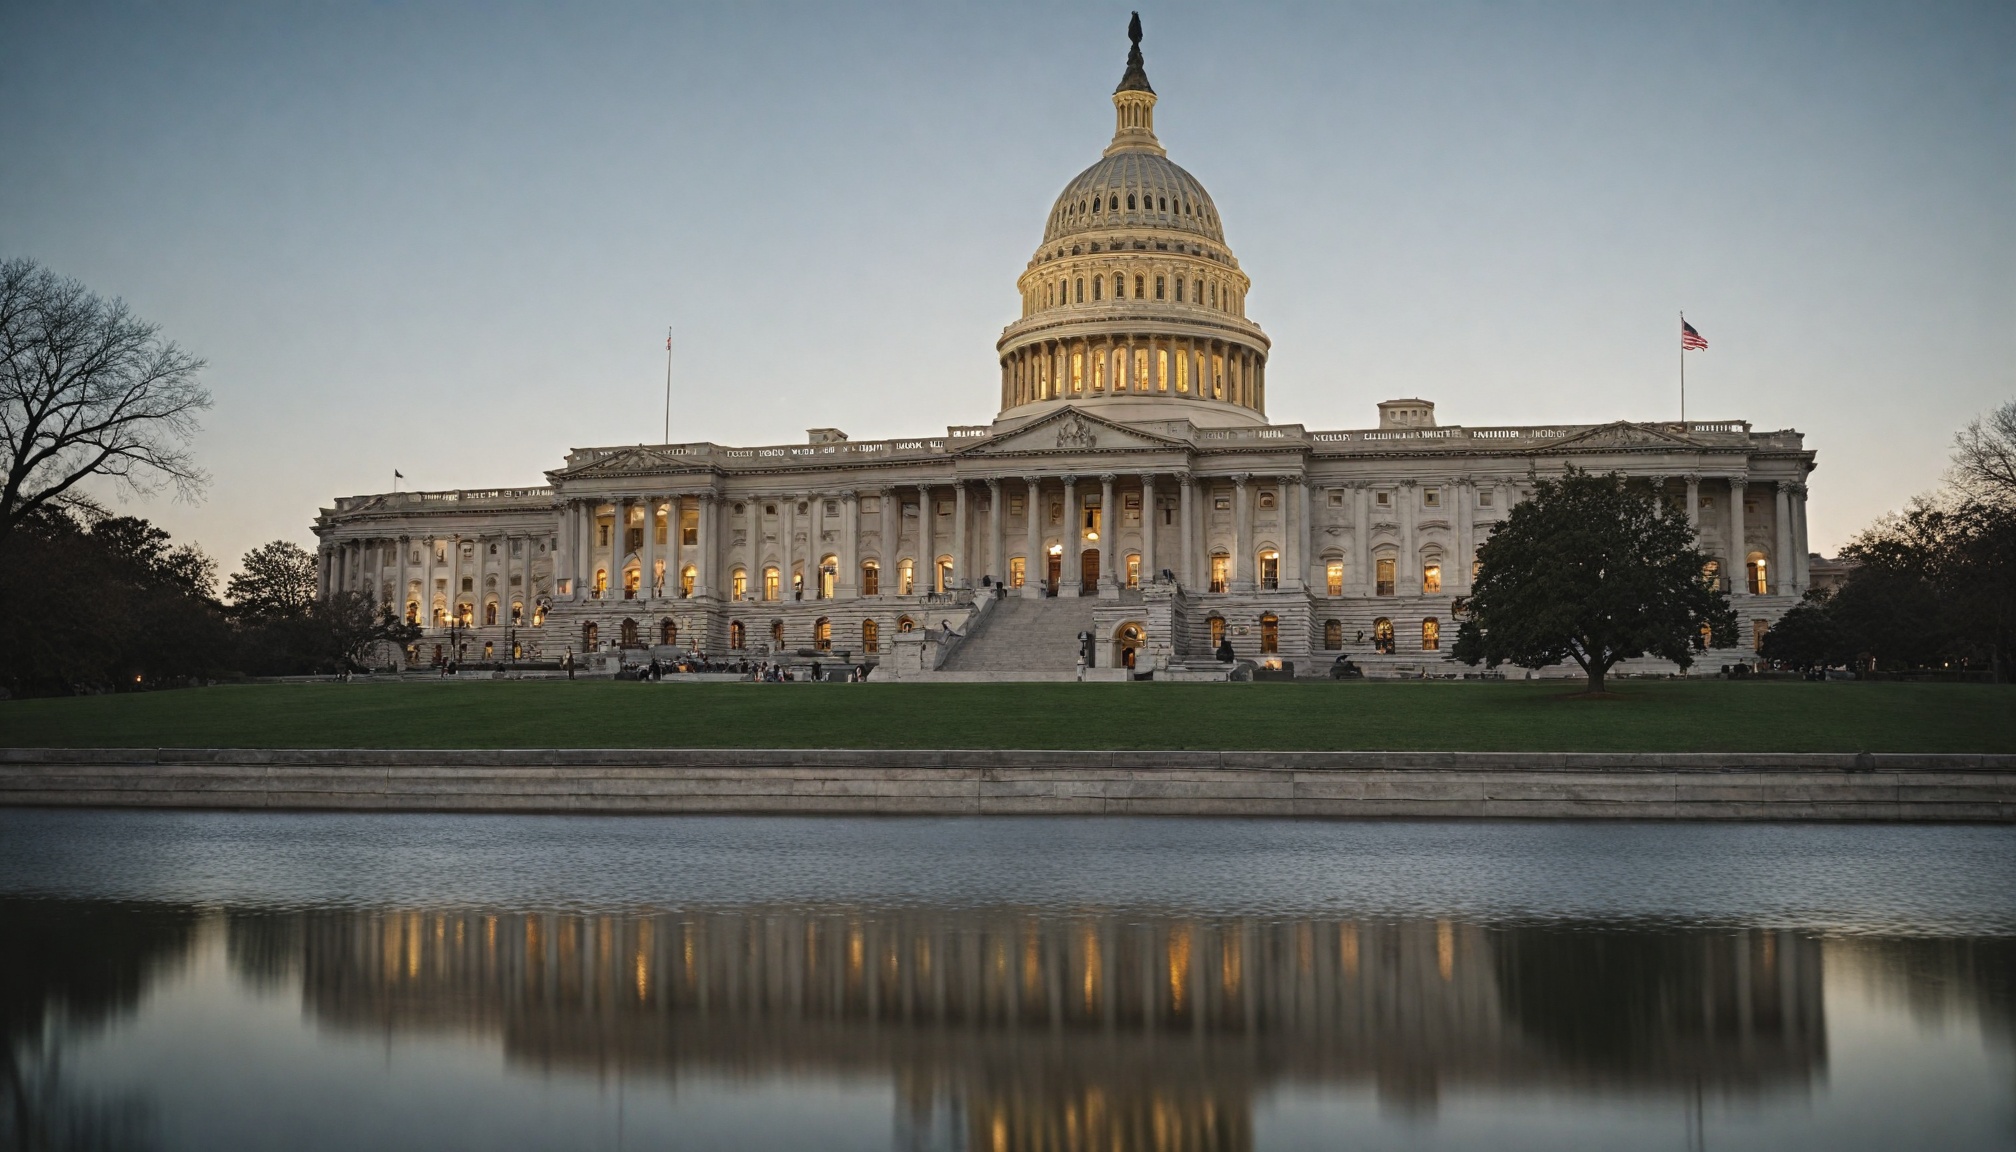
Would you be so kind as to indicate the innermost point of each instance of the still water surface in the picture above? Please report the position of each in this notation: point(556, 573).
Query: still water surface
point(224, 981)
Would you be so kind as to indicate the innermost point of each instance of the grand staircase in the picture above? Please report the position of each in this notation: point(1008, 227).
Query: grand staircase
point(1023, 639)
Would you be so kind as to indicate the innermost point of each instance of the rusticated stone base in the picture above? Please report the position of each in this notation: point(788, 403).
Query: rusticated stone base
point(1651, 786)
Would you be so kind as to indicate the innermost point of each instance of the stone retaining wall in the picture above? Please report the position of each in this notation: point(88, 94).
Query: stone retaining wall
point(1659, 786)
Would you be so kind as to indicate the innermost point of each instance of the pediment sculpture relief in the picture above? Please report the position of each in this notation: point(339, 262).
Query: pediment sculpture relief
point(1074, 432)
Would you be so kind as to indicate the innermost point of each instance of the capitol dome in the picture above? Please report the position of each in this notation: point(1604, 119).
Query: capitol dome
point(1133, 304)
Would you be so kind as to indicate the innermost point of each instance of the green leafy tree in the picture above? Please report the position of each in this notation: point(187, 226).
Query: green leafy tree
point(1807, 636)
point(1590, 570)
point(275, 581)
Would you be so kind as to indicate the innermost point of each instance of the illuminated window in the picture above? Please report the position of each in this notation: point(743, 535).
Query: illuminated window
point(906, 624)
point(1756, 579)
point(772, 583)
point(1270, 634)
point(1270, 569)
point(517, 612)
point(735, 634)
point(1018, 569)
point(1217, 631)
point(1431, 578)
point(1382, 636)
point(490, 612)
point(668, 633)
point(829, 576)
point(738, 583)
point(943, 582)
point(1431, 634)
point(777, 634)
point(1221, 569)
point(906, 578)
point(688, 576)
point(1333, 577)
point(871, 579)
point(1133, 570)
point(871, 632)
point(822, 634)
point(1383, 577)
point(689, 525)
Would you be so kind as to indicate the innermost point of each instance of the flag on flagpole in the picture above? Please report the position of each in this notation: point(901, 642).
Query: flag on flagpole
point(1690, 339)
point(398, 475)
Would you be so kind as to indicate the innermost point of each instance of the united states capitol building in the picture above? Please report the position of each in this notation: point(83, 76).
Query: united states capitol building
point(1130, 485)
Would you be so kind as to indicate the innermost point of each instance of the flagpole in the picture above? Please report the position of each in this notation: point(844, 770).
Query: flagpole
point(1683, 373)
point(668, 385)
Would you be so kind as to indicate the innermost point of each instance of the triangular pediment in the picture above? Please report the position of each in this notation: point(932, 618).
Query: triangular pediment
point(628, 462)
point(1623, 434)
point(1070, 430)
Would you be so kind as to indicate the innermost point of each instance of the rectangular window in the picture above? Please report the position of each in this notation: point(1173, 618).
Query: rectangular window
point(1221, 503)
point(1221, 567)
point(771, 587)
point(1333, 577)
point(1161, 370)
point(1140, 287)
point(1336, 497)
point(1179, 290)
point(871, 580)
point(1183, 374)
point(1431, 497)
point(1079, 290)
point(738, 584)
point(1383, 499)
point(1015, 505)
point(1133, 570)
point(1384, 585)
point(1017, 570)
point(689, 526)
point(906, 579)
point(1483, 497)
point(1158, 288)
point(1140, 370)
point(634, 540)
point(1431, 578)
point(1077, 372)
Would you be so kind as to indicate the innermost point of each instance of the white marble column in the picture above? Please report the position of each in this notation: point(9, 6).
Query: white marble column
point(1466, 536)
point(1802, 547)
point(815, 543)
point(1781, 569)
point(1109, 535)
point(959, 530)
point(1070, 578)
point(705, 547)
point(1739, 489)
point(997, 528)
point(1240, 579)
point(787, 545)
point(927, 552)
point(1304, 534)
point(848, 585)
point(454, 577)
point(1361, 542)
point(401, 543)
point(892, 536)
point(1407, 574)
point(1149, 570)
point(1694, 502)
point(647, 556)
point(1186, 512)
point(1033, 560)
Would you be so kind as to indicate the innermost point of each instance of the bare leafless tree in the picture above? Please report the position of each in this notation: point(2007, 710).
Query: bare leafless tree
point(87, 391)
point(1984, 457)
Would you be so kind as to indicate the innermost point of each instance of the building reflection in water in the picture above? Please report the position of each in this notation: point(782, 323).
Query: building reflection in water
point(1016, 1030)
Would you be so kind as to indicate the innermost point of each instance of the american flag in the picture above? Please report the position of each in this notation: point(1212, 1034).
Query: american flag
point(1689, 338)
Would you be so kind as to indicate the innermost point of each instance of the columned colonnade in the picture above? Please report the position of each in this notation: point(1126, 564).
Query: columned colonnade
point(1134, 365)
point(377, 565)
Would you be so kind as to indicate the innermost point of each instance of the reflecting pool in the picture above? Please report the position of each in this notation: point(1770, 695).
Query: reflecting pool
point(231, 980)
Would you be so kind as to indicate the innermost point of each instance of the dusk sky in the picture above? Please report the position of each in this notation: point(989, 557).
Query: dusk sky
point(448, 239)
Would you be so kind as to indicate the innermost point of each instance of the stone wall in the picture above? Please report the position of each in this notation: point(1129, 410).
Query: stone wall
point(1660, 786)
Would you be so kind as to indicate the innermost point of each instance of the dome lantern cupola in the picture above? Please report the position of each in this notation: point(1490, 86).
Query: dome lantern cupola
point(1134, 103)
point(1134, 305)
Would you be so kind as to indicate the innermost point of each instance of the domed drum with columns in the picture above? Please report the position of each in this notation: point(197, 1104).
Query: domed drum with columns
point(1130, 487)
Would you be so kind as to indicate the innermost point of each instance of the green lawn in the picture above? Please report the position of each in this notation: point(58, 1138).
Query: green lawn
point(1650, 716)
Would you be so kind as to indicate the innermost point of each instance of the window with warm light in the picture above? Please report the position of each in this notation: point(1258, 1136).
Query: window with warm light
point(1221, 569)
point(1431, 634)
point(1217, 631)
point(735, 635)
point(871, 637)
point(871, 579)
point(1431, 577)
point(738, 583)
point(1270, 634)
point(906, 578)
point(1018, 571)
point(1333, 577)
point(1382, 581)
point(822, 634)
point(689, 576)
point(773, 583)
point(1133, 570)
point(1270, 569)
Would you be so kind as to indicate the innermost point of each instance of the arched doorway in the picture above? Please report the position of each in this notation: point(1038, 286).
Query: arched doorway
point(589, 634)
point(1127, 643)
point(822, 634)
point(668, 633)
point(1088, 571)
point(1270, 633)
point(1382, 636)
point(1055, 572)
point(627, 634)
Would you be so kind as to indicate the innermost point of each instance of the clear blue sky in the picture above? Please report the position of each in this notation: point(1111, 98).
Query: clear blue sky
point(448, 238)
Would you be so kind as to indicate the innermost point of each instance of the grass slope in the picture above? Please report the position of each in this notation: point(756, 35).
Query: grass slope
point(1511, 716)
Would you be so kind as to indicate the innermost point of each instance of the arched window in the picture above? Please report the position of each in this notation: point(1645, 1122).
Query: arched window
point(1333, 635)
point(942, 582)
point(1162, 203)
point(771, 583)
point(871, 579)
point(1333, 577)
point(735, 634)
point(871, 637)
point(1431, 634)
point(1129, 639)
point(777, 635)
point(668, 633)
point(1133, 570)
point(1711, 574)
point(822, 634)
point(1140, 287)
point(905, 624)
point(1217, 624)
point(1078, 290)
point(517, 612)
point(1161, 287)
point(601, 582)
point(906, 578)
point(538, 615)
point(687, 577)
point(1270, 569)
point(1431, 576)
point(627, 634)
point(490, 613)
point(1382, 636)
point(1119, 286)
point(829, 576)
point(1270, 634)
point(1756, 576)
point(1018, 571)
point(1098, 286)
point(1130, 202)
point(412, 612)
point(590, 636)
point(738, 584)
point(489, 649)
point(1382, 581)
point(1221, 571)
